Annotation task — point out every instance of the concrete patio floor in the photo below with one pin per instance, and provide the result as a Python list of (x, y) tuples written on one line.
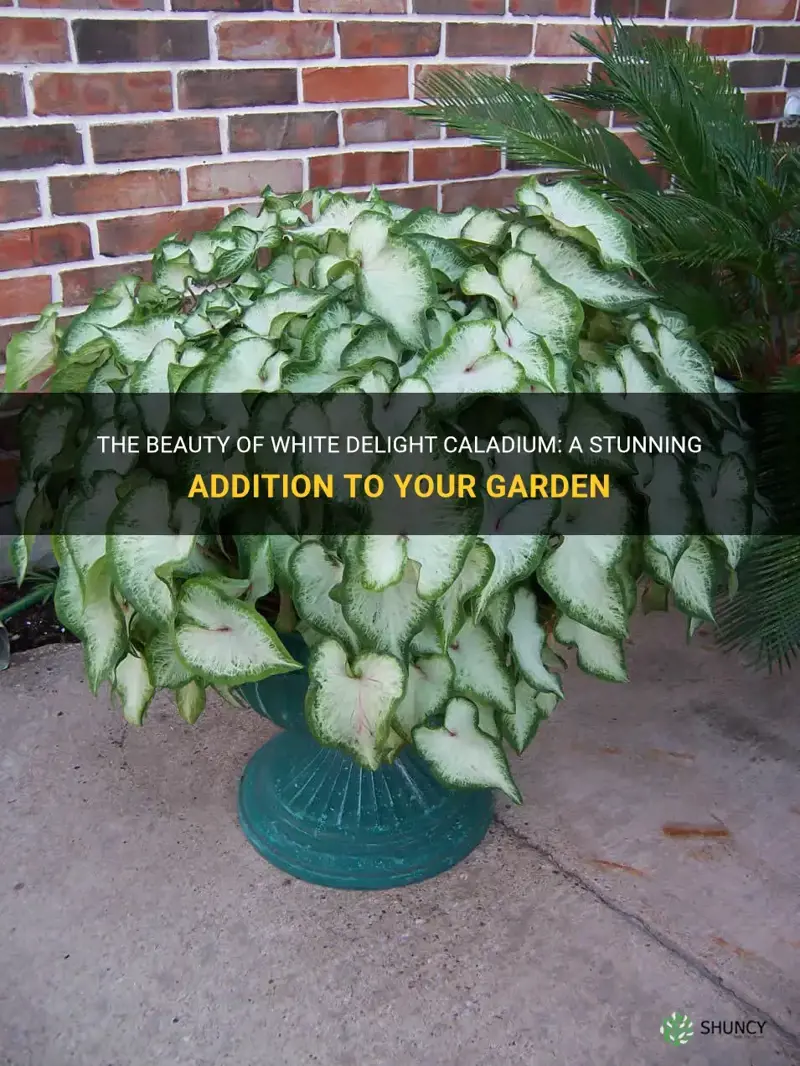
[(138, 928)]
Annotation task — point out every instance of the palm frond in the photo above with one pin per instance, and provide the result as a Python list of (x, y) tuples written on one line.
[(684, 229), (686, 107), (533, 130), (762, 619)]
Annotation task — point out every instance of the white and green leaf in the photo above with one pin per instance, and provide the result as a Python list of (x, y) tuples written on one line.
[(314, 573), (32, 352), (570, 265), (694, 580), (462, 755), (384, 621), (394, 280), (428, 688), (598, 654), (224, 640), (480, 670), (528, 638), (585, 215), (191, 701), (531, 708), (350, 705), (134, 688), (580, 576), (469, 361)]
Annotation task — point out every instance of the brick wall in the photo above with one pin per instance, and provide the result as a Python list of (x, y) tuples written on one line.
[(126, 120)]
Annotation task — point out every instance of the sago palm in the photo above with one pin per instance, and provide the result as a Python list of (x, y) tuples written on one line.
[(716, 210), (762, 619)]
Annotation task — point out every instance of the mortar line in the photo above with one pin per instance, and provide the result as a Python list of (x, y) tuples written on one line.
[(669, 945)]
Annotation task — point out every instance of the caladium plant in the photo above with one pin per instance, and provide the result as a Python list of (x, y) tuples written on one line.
[(449, 643)]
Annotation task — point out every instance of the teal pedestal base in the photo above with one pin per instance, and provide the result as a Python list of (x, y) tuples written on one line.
[(314, 813)]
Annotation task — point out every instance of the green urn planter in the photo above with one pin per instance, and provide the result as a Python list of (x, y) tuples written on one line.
[(313, 812)]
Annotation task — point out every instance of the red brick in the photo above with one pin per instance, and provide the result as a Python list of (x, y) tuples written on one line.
[(28, 147), (275, 40), (665, 33), (583, 114), (492, 192), (362, 40), (232, 5), (139, 41), (236, 88), (556, 39), (226, 181), (413, 196), (88, 193), (436, 164), (322, 85), (133, 234), (723, 40), (89, 5), (79, 286), (757, 73), (12, 96), (636, 143), (786, 134), (18, 200), (660, 176), (550, 7), (354, 7), (765, 105), (300, 129), (631, 8), (44, 245), (488, 39), (155, 140), (777, 40), (766, 9), (459, 7), (33, 40), (701, 9), (766, 131), (549, 76), (102, 94), (24, 296), (422, 71), (358, 168), (364, 125)]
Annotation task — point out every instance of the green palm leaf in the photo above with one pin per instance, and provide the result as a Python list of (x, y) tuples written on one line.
[(533, 130), (762, 620)]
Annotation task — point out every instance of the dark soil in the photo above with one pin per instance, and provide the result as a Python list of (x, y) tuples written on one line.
[(34, 626)]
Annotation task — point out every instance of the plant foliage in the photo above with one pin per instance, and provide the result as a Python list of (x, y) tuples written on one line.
[(716, 218), (447, 642), (762, 620)]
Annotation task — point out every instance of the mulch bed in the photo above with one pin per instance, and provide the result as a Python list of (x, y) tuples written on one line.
[(35, 626)]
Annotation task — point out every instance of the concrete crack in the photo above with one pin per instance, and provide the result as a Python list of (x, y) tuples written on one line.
[(669, 945)]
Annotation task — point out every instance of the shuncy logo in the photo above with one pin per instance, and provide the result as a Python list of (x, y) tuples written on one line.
[(677, 1028)]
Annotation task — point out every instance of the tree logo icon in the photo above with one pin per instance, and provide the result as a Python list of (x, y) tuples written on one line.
[(677, 1028)]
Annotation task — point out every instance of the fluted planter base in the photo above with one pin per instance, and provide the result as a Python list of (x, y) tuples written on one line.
[(313, 812)]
